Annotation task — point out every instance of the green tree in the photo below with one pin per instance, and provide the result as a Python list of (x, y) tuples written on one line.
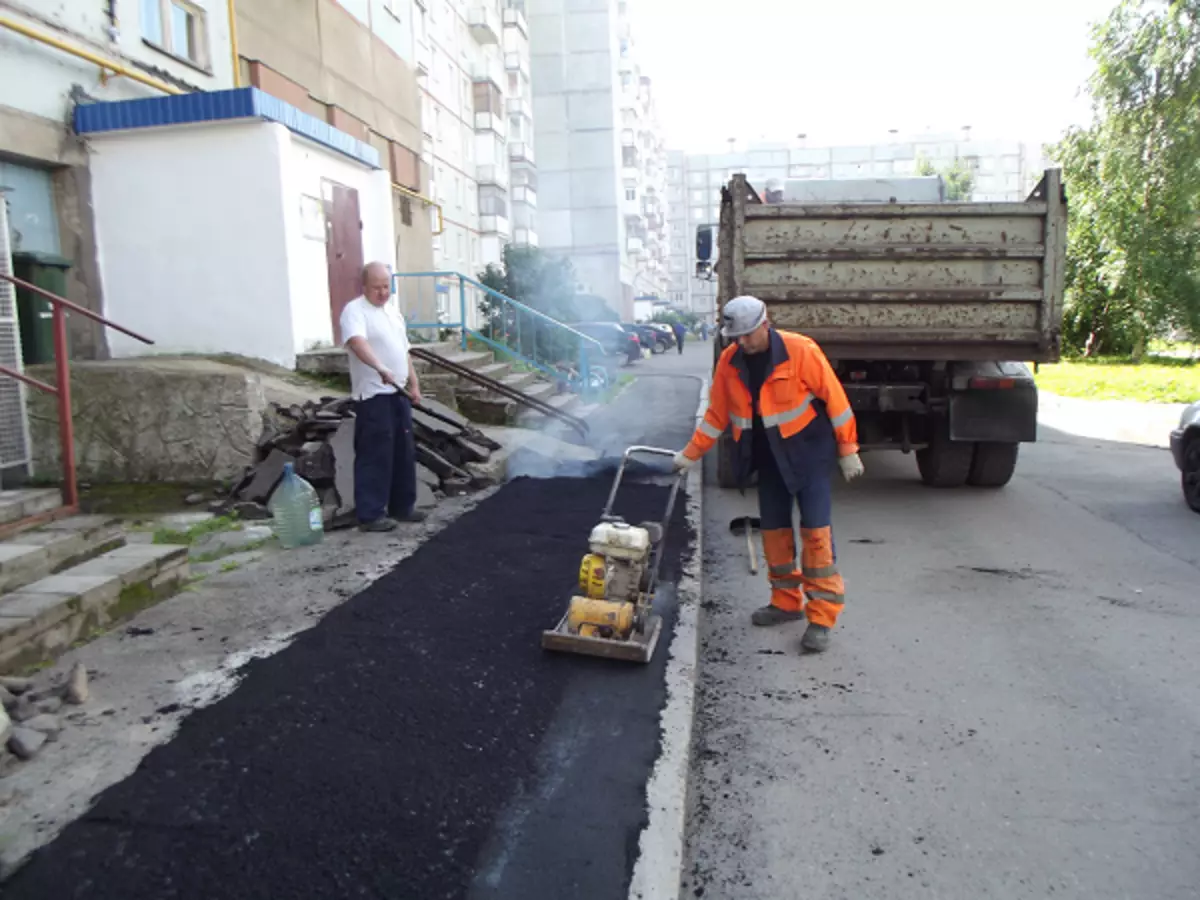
[(959, 178), (1133, 178), (544, 284)]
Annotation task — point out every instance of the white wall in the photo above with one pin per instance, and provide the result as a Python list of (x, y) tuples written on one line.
[(190, 239), (38, 79), (305, 166)]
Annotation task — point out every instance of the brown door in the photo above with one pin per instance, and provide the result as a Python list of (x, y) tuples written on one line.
[(343, 248)]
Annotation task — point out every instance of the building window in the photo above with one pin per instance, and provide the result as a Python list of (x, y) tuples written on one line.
[(631, 193), (178, 28)]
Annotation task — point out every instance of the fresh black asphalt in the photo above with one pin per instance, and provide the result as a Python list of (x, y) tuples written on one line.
[(416, 743)]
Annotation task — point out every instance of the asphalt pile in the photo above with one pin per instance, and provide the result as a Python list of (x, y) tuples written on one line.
[(318, 439), (375, 755)]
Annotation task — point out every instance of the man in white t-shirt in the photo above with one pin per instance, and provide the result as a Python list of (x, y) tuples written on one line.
[(382, 380)]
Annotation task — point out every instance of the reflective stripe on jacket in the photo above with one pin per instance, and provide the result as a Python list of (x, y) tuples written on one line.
[(800, 382)]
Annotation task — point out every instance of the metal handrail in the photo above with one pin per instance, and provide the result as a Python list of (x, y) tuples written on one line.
[(62, 364), (586, 344)]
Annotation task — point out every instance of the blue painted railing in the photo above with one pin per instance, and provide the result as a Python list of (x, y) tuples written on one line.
[(512, 329)]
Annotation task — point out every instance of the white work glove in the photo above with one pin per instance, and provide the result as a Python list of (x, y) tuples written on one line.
[(851, 466), (682, 463)]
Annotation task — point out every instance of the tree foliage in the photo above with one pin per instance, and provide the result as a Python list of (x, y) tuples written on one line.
[(546, 285), (959, 178), (1133, 181)]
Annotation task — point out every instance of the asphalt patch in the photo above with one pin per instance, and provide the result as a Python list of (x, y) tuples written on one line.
[(379, 753)]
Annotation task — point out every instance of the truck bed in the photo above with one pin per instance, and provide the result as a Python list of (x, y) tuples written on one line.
[(937, 282)]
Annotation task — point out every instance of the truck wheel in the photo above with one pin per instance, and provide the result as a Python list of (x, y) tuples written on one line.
[(945, 463), (993, 465)]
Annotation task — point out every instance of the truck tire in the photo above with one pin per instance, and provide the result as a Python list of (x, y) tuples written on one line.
[(726, 476), (993, 465), (945, 463)]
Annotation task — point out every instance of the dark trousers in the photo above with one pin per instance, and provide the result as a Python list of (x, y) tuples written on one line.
[(679, 342), (385, 458), (775, 501)]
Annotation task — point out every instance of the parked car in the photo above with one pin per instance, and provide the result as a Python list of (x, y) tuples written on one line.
[(652, 339), (616, 341), (1185, 447), (664, 332)]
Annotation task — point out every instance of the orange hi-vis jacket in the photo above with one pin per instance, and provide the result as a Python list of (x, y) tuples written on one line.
[(799, 401)]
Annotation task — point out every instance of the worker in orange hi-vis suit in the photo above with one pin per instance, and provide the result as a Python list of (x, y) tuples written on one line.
[(791, 421)]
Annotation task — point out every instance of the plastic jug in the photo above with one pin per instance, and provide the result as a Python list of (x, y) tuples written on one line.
[(296, 508)]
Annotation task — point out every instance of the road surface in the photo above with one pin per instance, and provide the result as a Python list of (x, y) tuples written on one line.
[(1010, 707), (416, 741)]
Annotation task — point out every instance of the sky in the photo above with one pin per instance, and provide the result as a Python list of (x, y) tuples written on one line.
[(848, 71)]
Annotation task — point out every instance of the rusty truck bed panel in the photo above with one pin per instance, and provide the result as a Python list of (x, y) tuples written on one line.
[(918, 281)]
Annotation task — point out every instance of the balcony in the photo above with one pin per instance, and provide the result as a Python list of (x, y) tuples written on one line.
[(515, 18), (490, 175), (517, 62), (628, 138), (485, 121), (525, 237), (521, 152), (524, 194), (494, 224), (484, 25), (423, 59), (635, 245), (518, 106)]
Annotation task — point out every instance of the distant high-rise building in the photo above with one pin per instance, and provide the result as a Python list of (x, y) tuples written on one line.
[(601, 157)]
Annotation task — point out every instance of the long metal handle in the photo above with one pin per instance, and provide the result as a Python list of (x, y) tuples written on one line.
[(625, 457), (662, 543)]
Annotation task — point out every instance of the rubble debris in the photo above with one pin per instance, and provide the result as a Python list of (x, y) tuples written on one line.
[(318, 439), (6, 726), (45, 723), (77, 685), (25, 742), (49, 705), (7, 698), (15, 685)]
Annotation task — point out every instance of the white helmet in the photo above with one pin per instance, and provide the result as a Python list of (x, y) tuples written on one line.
[(741, 316)]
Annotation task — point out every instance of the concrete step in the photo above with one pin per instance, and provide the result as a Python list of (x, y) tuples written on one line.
[(471, 359), (21, 504), (41, 620), (39, 552), (329, 361), (496, 370)]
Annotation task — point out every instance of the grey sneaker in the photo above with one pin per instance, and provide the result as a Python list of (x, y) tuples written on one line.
[(816, 638), (415, 516), (378, 525), (773, 615)]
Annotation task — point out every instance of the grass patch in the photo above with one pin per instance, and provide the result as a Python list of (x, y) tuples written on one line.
[(214, 555), (615, 388), (190, 535), (140, 499), (1158, 380)]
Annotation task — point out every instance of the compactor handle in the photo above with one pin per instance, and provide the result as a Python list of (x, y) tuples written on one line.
[(625, 457)]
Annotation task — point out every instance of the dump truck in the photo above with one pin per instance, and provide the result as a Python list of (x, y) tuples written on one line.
[(930, 312)]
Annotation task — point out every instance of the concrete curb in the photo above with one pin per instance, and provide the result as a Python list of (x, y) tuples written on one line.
[(658, 871)]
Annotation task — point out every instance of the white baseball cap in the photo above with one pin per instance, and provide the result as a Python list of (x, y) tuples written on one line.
[(741, 316)]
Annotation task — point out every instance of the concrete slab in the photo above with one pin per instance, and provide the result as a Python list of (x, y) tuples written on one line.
[(21, 504)]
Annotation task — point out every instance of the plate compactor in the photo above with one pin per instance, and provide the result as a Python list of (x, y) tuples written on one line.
[(613, 615)]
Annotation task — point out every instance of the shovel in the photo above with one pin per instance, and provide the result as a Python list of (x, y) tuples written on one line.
[(747, 525)]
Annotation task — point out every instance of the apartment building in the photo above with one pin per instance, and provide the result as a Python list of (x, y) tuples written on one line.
[(601, 159), (477, 115), (1003, 171)]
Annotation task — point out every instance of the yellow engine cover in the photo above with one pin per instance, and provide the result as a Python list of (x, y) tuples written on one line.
[(600, 618), (592, 579)]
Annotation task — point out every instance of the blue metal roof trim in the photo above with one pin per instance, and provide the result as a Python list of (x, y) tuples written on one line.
[(218, 106)]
